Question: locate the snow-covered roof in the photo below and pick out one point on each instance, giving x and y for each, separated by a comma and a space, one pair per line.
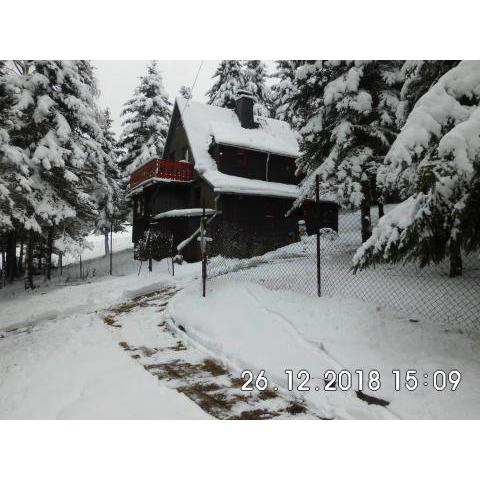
184, 212
272, 136
204, 122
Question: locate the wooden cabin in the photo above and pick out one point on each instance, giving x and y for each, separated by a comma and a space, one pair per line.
238, 166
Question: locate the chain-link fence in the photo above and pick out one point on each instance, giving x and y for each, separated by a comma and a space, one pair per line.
291, 267
426, 292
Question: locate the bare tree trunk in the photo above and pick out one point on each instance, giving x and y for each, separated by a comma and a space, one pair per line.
49, 253
381, 211
455, 260
107, 245
20, 257
3, 278
11, 256
60, 263
29, 262
365, 208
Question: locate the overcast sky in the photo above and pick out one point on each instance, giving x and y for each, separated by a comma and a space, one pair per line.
117, 80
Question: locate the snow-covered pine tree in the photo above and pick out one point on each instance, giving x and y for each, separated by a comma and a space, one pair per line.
185, 92
347, 122
147, 117
255, 75
284, 90
6, 102
229, 80
111, 201
441, 137
16, 209
6, 202
59, 133
420, 75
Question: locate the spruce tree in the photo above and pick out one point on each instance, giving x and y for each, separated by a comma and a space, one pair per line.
15, 184
347, 122
111, 201
440, 144
230, 79
147, 117
7, 205
255, 75
419, 76
58, 132
6, 202
17, 205
283, 91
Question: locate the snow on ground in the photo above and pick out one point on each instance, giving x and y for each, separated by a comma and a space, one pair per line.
58, 359
71, 368
142, 329
94, 249
248, 326
425, 293
95, 245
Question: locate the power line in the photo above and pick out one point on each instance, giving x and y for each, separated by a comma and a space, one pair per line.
196, 76
193, 86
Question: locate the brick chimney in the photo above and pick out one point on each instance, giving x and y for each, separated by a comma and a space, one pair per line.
244, 109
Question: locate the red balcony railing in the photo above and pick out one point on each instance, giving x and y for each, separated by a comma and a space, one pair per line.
157, 168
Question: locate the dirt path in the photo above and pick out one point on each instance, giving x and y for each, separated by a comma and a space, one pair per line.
141, 329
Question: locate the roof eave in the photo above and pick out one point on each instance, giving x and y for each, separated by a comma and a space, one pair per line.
228, 144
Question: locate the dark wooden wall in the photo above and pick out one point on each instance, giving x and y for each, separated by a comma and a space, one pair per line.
251, 226
253, 164
177, 148
166, 196
162, 197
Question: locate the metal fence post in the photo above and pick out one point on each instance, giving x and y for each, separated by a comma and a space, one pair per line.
204, 251
172, 253
3, 282
111, 248
317, 203
149, 252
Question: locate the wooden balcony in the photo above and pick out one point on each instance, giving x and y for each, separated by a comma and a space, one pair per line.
162, 169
